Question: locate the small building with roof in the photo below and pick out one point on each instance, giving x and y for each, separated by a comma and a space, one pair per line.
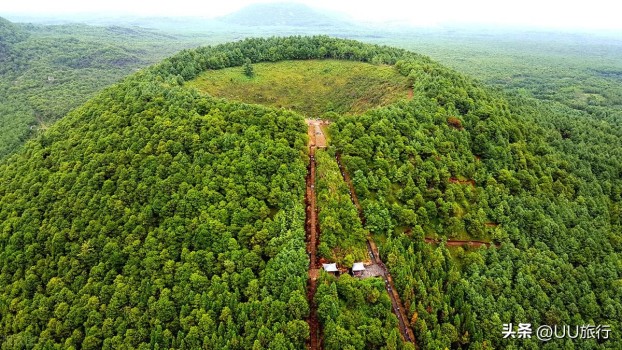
331, 268
358, 269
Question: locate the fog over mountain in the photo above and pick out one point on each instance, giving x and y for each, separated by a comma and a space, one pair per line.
282, 14
600, 15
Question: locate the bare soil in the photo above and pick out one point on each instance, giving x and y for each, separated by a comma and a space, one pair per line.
312, 235
317, 137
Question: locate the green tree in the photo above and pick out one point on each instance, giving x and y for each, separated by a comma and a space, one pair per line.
248, 68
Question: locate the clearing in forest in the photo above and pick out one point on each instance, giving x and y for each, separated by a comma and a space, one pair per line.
311, 87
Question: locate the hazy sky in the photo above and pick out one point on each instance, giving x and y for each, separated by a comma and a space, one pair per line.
593, 14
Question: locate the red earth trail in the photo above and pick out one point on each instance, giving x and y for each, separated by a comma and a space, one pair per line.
316, 140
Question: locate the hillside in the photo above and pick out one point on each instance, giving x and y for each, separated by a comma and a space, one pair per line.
159, 216
47, 71
138, 215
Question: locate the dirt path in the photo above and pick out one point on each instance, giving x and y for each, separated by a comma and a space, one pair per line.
316, 140
398, 308
317, 137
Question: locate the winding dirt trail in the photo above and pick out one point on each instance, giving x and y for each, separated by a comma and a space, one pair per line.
398, 307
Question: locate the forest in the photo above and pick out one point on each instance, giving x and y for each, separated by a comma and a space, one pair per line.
159, 216
342, 234
558, 224
355, 314
191, 236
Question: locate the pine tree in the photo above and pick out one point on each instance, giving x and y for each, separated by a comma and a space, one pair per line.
248, 69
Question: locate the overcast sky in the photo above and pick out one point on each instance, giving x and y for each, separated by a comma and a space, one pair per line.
593, 14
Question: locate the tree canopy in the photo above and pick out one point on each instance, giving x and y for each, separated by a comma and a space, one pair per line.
156, 216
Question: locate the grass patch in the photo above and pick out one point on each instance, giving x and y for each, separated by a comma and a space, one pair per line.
310, 87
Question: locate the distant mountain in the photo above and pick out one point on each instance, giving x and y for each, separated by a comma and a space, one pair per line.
282, 14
